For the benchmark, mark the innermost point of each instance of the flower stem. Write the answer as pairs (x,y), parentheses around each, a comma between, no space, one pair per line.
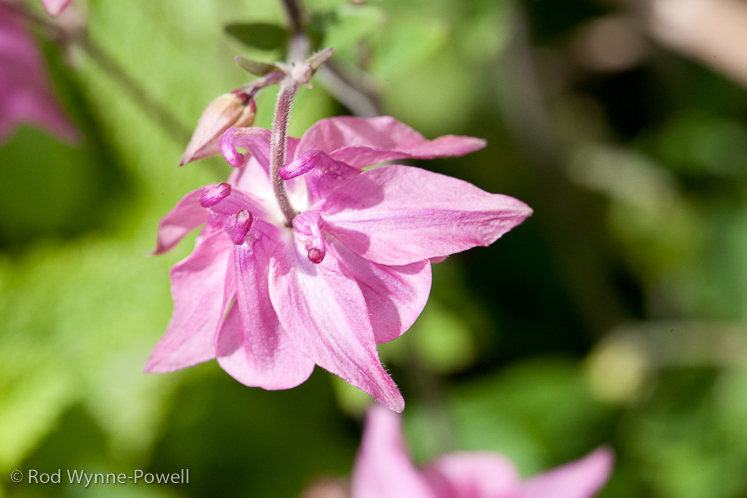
(288,89)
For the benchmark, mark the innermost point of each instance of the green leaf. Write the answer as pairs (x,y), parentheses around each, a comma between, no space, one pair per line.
(407,44)
(254,67)
(318,25)
(260,35)
(354,23)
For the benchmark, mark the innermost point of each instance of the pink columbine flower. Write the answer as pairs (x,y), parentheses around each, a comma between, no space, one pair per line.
(384,469)
(26,94)
(270,301)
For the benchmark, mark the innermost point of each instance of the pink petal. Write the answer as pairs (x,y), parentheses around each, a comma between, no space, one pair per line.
(254,179)
(383,468)
(397,215)
(202,286)
(473,475)
(580,479)
(395,295)
(187,215)
(362,142)
(54,7)
(322,173)
(325,313)
(26,94)
(253,347)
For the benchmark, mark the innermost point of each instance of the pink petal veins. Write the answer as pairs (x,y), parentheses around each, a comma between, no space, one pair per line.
(397,215)
(187,215)
(395,295)
(252,346)
(335,133)
(202,286)
(361,142)
(324,312)
(323,174)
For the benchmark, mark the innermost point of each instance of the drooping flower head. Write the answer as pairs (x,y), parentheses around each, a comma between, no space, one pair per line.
(26,94)
(384,469)
(271,298)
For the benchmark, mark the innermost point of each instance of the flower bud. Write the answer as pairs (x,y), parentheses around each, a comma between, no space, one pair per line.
(230,109)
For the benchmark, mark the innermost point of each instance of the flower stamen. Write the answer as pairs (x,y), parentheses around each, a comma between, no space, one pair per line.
(309,223)
(213,194)
(238,225)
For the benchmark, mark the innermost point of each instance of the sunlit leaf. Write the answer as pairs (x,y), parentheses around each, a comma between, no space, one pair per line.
(353,23)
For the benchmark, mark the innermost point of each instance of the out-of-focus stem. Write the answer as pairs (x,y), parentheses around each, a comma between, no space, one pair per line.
(294,14)
(361,102)
(136,92)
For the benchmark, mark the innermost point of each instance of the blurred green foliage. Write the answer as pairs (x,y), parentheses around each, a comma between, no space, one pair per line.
(645,177)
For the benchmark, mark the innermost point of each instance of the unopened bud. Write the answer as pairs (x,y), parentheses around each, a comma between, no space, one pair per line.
(230,109)
(238,225)
(213,194)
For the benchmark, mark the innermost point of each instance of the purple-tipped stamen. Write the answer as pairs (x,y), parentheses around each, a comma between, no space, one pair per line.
(228,149)
(238,225)
(316,256)
(308,161)
(309,223)
(213,194)
(318,244)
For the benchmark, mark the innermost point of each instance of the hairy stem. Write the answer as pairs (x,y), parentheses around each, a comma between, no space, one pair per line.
(288,89)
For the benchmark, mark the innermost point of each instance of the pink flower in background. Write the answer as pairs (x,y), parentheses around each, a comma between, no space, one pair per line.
(26,94)
(383,469)
(351,272)
(54,7)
